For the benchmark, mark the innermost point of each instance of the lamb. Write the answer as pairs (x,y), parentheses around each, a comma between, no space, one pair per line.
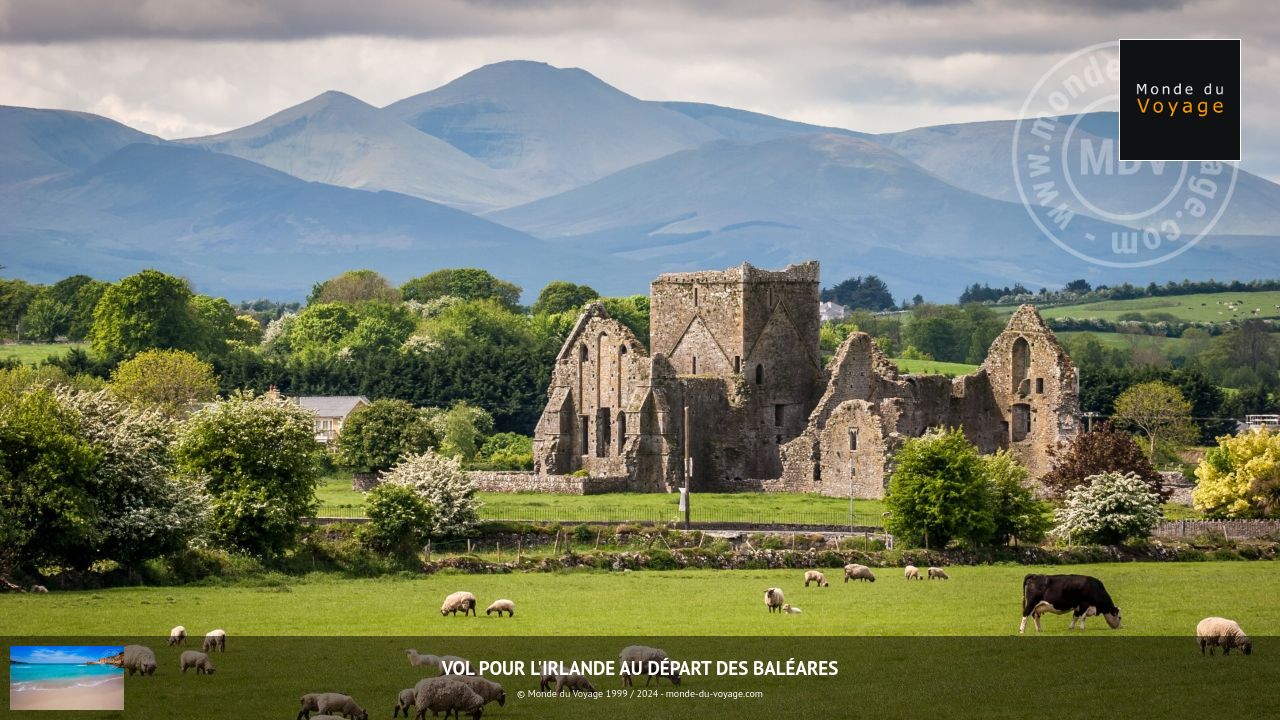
(447,694)
(1213,632)
(484,687)
(937,573)
(815,576)
(574,683)
(460,601)
(911,572)
(138,659)
(215,639)
(197,660)
(403,702)
(791,609)
(431,661)
(331,703)
(39,589)
(177,636)
(858,572)
(501,606)
(643,655)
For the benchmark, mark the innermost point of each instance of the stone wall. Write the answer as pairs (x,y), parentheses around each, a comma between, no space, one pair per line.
(529,481)
(1231,529)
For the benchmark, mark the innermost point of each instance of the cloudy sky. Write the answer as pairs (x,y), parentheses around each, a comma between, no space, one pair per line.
(178,68)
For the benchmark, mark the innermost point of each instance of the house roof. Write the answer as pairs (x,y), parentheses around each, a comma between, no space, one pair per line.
(332,406)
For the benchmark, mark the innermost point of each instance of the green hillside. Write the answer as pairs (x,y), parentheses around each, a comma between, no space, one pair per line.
(32,353)
(933,367)
(1204,307)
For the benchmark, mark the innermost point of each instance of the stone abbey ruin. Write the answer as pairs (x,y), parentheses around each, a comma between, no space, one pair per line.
(736,352)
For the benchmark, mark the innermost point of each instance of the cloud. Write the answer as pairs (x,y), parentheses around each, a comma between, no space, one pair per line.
(61,654)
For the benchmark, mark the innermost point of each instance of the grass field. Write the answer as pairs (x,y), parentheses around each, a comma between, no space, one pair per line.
(1204,307)
(934,367)
(1167,346)
(33,353)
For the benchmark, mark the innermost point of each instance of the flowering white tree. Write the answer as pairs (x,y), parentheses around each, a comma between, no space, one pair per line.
(447,491)
(1109,509)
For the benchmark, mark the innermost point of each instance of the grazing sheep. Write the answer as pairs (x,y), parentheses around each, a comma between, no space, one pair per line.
(633,654)
(1213,632)
(215,639)
(331,703)
(461,601)
(197,660)
(39,589)
(773,599)
(911,572)
(447,694)
(574,683)
(178,636)
(138,659)
(431,661)
(815,576)
(484,687)
(791,609)
(501,606)
(403,702)
(937,573)
(858,572)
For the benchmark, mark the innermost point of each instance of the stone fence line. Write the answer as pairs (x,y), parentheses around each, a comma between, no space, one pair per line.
(1230,529)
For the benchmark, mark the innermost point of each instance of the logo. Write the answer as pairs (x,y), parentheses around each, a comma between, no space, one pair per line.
(1082,196)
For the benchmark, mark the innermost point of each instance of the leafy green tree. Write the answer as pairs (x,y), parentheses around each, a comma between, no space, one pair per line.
(447,492)
(321,327)
(15,296)
(1016,511)
(144,311)
(171,381)
(464,283)
(215,322)
(1109,510)
(462,430)
(632,311)
(1240,478)
(560,296)
(381,328)
(939,492)
(354,287)
(400,520)
(377,435)
(1159,412)
(1102,450)
(867,293)
(506,451)
(46,317)
(258,460)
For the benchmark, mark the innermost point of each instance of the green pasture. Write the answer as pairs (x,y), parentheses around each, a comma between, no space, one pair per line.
(1203,307)
(933,367)
(32,353)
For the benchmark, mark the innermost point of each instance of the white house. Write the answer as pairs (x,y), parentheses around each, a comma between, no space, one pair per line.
(331,412)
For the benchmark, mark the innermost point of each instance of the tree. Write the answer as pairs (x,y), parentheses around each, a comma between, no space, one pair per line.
(506,451)
(15,296)
(447,492)
(377,435)
(869,293)
(1078,286)
(1111,509)
(1104,449)
(320,328)
(939,491)
(172,381)
(462,430)
(560,296)
(257,458)
(400,520)
(1240,478)
(353,287)
(1159,411)
(464,283)
(1016,511)
(144,311)
(632,311)
(46,318)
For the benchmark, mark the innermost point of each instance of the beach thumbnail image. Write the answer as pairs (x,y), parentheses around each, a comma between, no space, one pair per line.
(66,677)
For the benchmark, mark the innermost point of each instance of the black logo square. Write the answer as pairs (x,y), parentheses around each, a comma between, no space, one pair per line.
(1180,100)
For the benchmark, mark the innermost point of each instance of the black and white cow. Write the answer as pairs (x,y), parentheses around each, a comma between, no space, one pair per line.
(1080,595)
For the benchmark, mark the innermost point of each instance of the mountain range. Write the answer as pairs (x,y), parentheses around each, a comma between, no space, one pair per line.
(540,173)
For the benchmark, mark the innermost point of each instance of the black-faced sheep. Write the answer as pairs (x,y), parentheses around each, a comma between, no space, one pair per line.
(773,599)
(501,606)
(815,576)
(854,571)
(911,572)
(638,657)
(449,695)
(403,702)
(331,703)
(215,640)
(461,601)
(1215,632)
(177,636)
(138,659)
(198,660)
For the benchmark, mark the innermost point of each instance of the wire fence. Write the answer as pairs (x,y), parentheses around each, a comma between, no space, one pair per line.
(650,516)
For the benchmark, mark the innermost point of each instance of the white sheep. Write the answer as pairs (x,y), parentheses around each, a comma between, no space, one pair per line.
(403,702)
(215,640)
(574,683)
(858,572)
(911,572)
(415,659)
(484,687)
(177,636)
(138,659)
(197,660)
(773,599)
(815,576)
(1213,632)
(331,703)
(638,657)
(449,695)
(791,609)
(501,606)
(39,589)
(461,601)
(937,573)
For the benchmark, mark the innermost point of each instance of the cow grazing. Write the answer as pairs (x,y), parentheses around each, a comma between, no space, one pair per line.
(1081,595)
